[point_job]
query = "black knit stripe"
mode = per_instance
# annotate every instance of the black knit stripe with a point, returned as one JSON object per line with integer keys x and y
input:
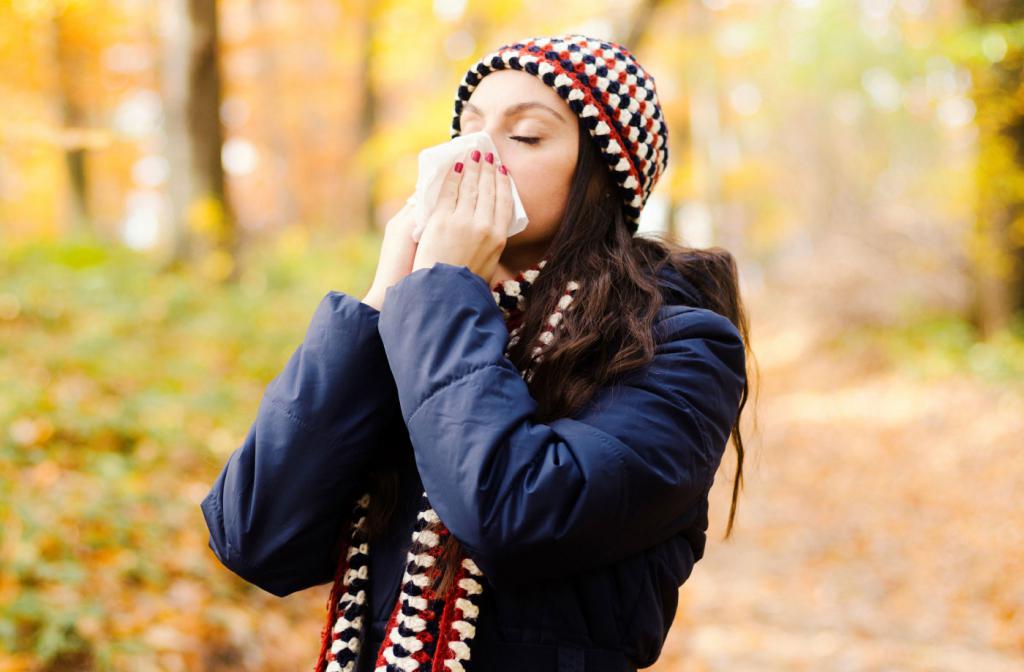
{"x": 347, "y": 632}
{"x": 417, "y": 614}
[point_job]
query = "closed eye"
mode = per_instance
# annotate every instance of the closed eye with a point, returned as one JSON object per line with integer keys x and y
{"x": 528, "y": 141}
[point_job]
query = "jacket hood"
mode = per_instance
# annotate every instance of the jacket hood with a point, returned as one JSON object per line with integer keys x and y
{"x": 676, "y": 289}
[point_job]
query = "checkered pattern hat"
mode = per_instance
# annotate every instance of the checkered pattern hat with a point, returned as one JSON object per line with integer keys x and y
{"x": 603, "y": 84}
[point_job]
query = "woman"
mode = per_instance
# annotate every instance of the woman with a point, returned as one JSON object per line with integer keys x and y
{"x": 502, "y": 454}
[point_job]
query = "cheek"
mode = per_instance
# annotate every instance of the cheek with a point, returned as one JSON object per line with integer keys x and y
{"x": 543, "y": 183}
{"x": 541, "y": 176}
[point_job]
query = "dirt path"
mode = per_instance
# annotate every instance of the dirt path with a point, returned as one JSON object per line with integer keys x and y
{"x": 881, "y": 526}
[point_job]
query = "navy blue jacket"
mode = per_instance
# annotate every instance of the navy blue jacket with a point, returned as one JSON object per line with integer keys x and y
{"x": 584, "y": 527}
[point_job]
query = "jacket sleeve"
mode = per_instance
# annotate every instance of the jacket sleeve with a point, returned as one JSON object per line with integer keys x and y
{"x": 533, "y": 501}
{"x": 275, "y": 511}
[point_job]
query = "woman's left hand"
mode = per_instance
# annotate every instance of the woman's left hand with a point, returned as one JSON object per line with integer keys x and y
{"x": 469, "y": 225}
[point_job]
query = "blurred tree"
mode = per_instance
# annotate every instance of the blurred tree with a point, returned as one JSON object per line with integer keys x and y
{"x": 205, "y": 229}
{"x": 270, "y": 89}
{"x": 637, "y": 28}
{"x": 632, "y": 34}
{"x": 72, "y": 88}
{"x": 998, "y": 238}
{"x": 368, "y": 13}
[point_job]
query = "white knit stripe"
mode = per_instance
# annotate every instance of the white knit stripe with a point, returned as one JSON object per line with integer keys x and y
{"x": 415, "y": 573}
{"x": 339, "y": 644}
{"x": 343, "y": 623}
{"x": 361, "y": 573}
{"x": 428, "y": 538}
{"x": 411, "y": 644}
{"x": 413, "y": 622}
{"x": 465, "y": 628}
{"x": 347, "y": 634}
{"x": 409, "y": 664}
{"x": 359, "y": 598}
{"x": 547, "y": 336}
{"x": 468, "y": 609}
{"x": 416, "y": 602}
{"x": 460, "y": 649}
{"x": 420, "y": 580}
{"x": 472, "y": 587}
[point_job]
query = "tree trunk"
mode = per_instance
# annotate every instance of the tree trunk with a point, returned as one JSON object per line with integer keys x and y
{"x": 997, "y": 239}
{"x": 202, "y": 217}
{"x": 367, "y": 119}
{"x": 71, "y": 77}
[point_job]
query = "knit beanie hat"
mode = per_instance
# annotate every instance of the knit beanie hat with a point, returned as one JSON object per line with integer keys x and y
{"x": 608, "y": 89}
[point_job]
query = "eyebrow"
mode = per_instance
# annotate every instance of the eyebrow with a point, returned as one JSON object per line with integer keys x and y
{"x": 516, "y": 109}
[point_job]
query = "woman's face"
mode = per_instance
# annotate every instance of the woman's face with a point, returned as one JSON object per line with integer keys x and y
{"x": 537, "y": 138}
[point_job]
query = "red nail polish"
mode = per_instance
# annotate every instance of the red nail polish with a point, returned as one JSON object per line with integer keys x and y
{"x": 458, "y": 166}
{"x": 475, "y": 155}
{"x": 489, "y": 157}
{"x": 503, "y": 169}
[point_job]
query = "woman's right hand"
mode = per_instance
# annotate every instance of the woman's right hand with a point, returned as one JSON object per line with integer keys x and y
{"x": 397, "y": 252}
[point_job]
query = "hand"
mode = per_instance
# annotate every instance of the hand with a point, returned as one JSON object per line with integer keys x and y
{"x": 469, "y": 225}
{"x": 396, "y": 255}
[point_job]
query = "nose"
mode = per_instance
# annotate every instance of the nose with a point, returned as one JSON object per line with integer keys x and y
{"x": 497, "y": 137}
{"x": 493, "y": 129}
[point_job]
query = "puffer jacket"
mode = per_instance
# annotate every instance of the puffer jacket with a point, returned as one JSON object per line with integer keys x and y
{"x": 584, "y": 527}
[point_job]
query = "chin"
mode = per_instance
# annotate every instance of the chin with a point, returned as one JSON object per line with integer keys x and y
{"x": 533, "y": 233}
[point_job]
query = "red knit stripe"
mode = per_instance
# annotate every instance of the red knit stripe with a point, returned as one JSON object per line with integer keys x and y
{"x": 332, "y": 609}
{"x": 446, "y": 631}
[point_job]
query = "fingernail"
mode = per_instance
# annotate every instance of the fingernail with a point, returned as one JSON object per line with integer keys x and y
{"x": 475, "y": 155}
{"x": 503, "y": 169}
{"x": 458, "y": 166}
{"x": 489, "y": 157}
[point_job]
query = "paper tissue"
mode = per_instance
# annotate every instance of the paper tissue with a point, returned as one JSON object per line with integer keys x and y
{"x": 434, "y": 162}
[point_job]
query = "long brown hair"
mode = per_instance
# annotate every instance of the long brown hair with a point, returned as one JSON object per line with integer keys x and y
{"x": 607, "y": 329}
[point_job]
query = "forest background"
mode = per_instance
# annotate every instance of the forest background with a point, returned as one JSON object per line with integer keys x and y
{"x": 181, "y": 181}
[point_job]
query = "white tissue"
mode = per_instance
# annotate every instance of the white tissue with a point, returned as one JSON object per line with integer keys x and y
{"x": 436, "y": 161}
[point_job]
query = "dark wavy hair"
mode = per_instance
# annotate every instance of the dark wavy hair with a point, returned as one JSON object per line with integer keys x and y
{"x": 607, "y": 330}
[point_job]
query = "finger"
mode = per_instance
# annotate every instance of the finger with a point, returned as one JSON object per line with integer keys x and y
{"x": 504, "y": 205}
{"x": 484, "y": 212}
{"x": 449, "y": 193}
{"x": 469, "y": 186}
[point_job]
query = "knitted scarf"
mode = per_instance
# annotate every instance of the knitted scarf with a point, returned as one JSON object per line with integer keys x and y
{"x": 427, "y": 632}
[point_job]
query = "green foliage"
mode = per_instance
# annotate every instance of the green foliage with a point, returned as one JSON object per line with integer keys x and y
{"x": 945, "y": 345}
{"x": 125, "y": 390}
